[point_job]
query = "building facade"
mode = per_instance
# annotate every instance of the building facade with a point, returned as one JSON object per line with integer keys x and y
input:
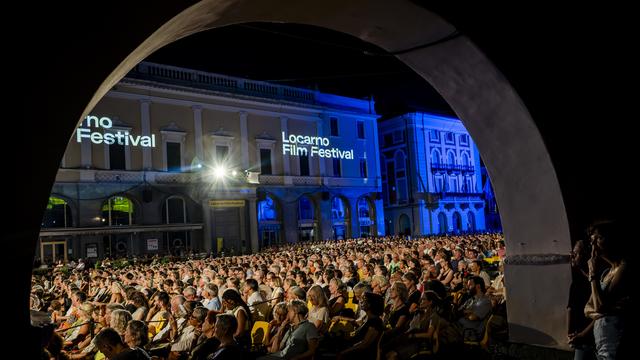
{"x": 431, "y": 175}
{"x": 174, "y": 160}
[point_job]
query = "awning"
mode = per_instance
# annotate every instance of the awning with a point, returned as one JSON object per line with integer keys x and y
{"x": 107, "y": 230}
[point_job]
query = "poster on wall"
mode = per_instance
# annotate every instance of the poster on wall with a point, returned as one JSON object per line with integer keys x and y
{"x": 152, "y": 244}
{"x": 92, "y": 250}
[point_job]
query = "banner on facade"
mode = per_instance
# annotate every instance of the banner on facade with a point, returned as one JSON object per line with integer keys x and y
{"x": 226, "y": 203}
{"x": 152, "y": 244}
{"x": 92, "y": 250}
{"x": 220, "y": 243}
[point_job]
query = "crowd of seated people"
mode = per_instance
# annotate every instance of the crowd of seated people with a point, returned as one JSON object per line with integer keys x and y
{"x": 384, "y": 298}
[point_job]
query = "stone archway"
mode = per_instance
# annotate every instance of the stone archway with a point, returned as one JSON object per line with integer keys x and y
{"x": 533, "y": 213}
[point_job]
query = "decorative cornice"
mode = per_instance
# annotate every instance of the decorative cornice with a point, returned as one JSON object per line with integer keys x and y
{"x": 537, "y": 259}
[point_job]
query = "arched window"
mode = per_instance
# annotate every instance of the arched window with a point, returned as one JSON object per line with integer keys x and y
{"x": 365, "y": 216}
{"x": 267, "y": 210}
{"x": 451, "y": 158}
{"x": 269, "y": 224}
{"x": 465, "y": 159}
{"x": 435, "y": 157}
{"x": 305, "y": 209}
{"x": 404, "y": 225}
{"x": 118, "y": 210}
{"x": 400, "y": 161}
{"x": 442, "y": 223}
{"x": 457, "y": 222}
{"x": 57, "y": 214}
{"x": 471, "y": 222}
{"x": 401, "y": 177}
{"x": 338, "y": 209}
{"x": 175, "y": 211}
{"x": 340, "y": 218}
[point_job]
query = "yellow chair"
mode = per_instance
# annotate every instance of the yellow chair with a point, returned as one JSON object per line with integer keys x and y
{"x": 435, "y": 345}
{"x": 350, "y": 297}
{"x": 351, "y": 306}
{"x": 259, "y": 334}
{"x": 484, "y": 342}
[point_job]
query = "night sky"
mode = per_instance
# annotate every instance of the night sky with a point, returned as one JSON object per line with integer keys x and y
{"x": 307, "y": 57}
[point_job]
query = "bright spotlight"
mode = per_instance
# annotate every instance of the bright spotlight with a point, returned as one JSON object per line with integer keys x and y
{"x": 219, "y": 172}
{"x": 234, "y": 173}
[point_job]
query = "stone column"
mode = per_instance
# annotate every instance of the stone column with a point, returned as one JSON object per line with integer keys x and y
{"x": 206, "y": 214}
{"x": 290, "y": 222}
{"x": 244, "y": 140}
{"x": 145, "y": 126}
{"x": 325, "y": 222}
{"x": 322, "y": 168}
{"x": 253, "y": 224}
{"x": 197, "y": 131}
{"x": 286, "y": 165}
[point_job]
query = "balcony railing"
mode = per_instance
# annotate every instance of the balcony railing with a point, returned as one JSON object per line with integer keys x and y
{"x": 217, "y": 82}
{"x": 435, "y": 196}
{"x": 452, "y": 167}
{"x": 162, "y": 177}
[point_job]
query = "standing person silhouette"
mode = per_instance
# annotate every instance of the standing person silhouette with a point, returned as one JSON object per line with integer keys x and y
{"x": 610, "y": 299}
{"x": 580, "y": 330}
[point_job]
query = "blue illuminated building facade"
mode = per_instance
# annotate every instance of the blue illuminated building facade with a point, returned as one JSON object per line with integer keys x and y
{"x": 175, "y": 160}
{"x": 431, "y": 173}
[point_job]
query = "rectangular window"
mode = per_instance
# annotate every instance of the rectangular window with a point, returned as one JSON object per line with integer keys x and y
{"x": 304, "y": 165}
{"x": 116, "y": 157}
{"x": 334, "y": 127}
{"x": 402, "y": 190}
{"x": 398, "y": 136}
{"x": 388, "y": 139}
{"x": 363, "y": 168}
{"x": 464, "y": 140}
{"x": 360, "y": 129}
{"x": 221, "y": 153}
{"x": 449, "y": 138}
{"x": 391, "y": 179}
{"x": 434, "y": 136}
{"x": 173, "y": 157}
{"x": 337, "y": 170}
{"x": 265, "y": 162}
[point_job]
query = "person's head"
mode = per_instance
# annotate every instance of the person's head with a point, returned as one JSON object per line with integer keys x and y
{"x": 86, "y": 311}
{"x": 109, "y": 342}
{"x": 251, "y": 286}
{"x": 317, "y": 296}
{"x": 409, "y": 279}
{"x": 399, "y": 291}
{"x": 226, "y": 326}
{"x": 189, "y": 293}
{"x": 475, "y": 285}
{"x": 429, "y": 299}
{"x": 138, "y": 299}
{"x": 372, "y": 303}
{"x": 606, "y": 241}
{"x": 296, "y": 311}
{"x": 296, "y": 292}
{"x": 198, "y": 315}
{"x": 209, "y": 322}
{"x": 462, "y": 266}
{"x": 359, "y": 289}
{"x": 280, "y": 311}
{"x": 119, "y": 320}
{"x": 579, "y": 254}
{"x": 475, "y": 266}
{"x": 336, "y": 286}
{"x": 136, "y": 334}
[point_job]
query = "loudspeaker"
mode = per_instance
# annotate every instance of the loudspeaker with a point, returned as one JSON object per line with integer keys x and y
{"x": 326, "y": 195}
{"x": 147, "y": 195}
